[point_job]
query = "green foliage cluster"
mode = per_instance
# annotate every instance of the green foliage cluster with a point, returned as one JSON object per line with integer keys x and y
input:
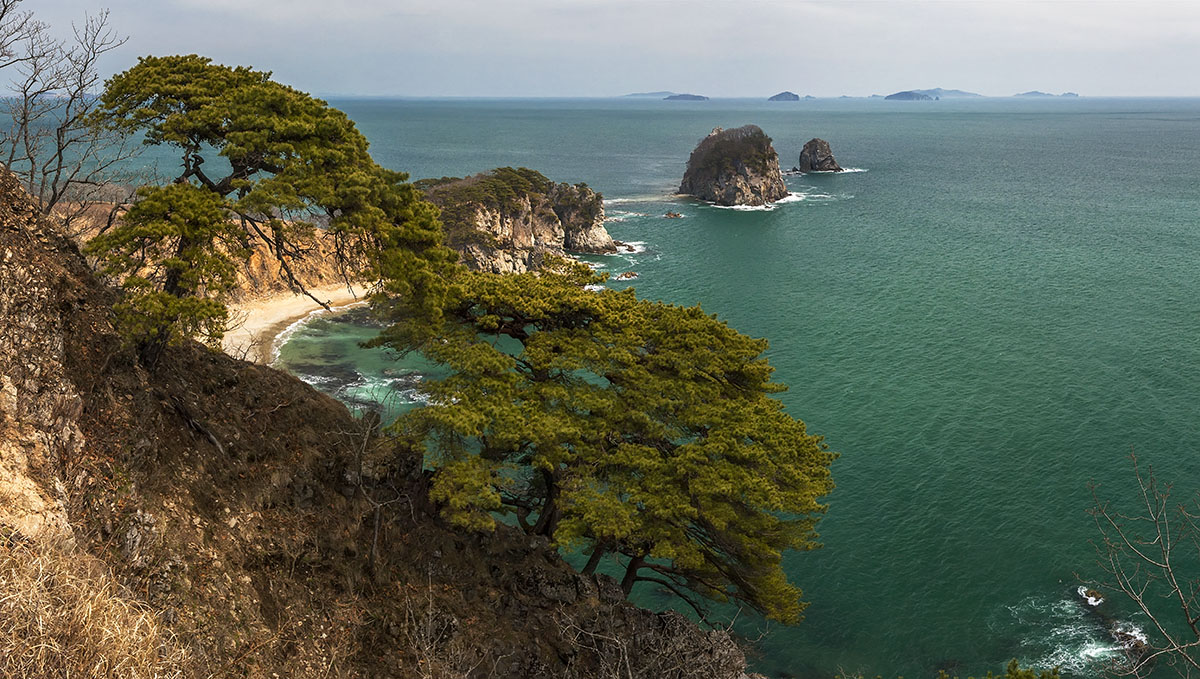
{"x": 723, "y": 152}
{"x": 279, "y": 163}
{"x": 623, "y": 427}
{"x": 175, "y": 251}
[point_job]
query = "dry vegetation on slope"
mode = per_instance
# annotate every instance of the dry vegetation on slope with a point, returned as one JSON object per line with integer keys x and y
{"x": 257, "y": 523}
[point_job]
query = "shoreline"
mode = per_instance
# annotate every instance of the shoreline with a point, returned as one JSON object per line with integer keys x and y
{"x": 259, "y": 323}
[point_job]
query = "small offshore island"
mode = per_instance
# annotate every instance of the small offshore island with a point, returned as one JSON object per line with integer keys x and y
{"x": 735, "y": 167}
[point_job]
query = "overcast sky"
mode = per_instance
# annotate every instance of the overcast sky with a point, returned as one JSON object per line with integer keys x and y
{"x": 722, "y": 48}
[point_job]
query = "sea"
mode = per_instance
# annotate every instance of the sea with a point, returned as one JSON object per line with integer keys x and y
{"x": 985, "y": 315}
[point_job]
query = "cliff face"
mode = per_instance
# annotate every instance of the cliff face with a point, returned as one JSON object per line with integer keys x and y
{"x": 735, "y": 167}
{"x": 265, "y": 529}
{"x": 507, "y": 220}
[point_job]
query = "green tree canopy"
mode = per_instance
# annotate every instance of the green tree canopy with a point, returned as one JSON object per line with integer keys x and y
{"x": 627, "y": 428}
{"x": 283, "y": 164}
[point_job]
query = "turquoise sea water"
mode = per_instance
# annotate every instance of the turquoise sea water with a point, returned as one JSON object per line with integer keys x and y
{"x": 982, "y": 321}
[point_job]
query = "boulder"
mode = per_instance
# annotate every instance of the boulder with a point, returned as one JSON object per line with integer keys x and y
{"x": 817, "y": 157}
{"x": 734, "y": 167}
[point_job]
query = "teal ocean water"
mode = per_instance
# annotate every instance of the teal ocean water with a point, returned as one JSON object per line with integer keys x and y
{"x": 983, "y": 320}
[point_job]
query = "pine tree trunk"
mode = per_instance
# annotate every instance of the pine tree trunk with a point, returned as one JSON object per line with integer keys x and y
{"x": 631, "y": 571}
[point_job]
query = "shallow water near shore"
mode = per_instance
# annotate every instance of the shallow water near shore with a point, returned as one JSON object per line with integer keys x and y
{"x": 982, "y": 321}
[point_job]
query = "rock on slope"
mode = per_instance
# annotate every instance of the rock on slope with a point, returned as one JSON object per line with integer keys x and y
{"x": 264, "y": 527}
{"x": 734, "y": 167}
{"x": 816, "y": 156}
{"x": 507, "y": 220}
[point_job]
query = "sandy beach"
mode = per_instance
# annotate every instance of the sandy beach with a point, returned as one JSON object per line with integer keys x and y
{"x": 258, "y": 323}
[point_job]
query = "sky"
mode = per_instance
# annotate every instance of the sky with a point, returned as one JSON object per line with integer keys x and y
{"x": 719, "y": 48}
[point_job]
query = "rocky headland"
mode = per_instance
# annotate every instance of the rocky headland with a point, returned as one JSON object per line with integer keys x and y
{"x": 734, "y": 167}
{"x": 211, "y": 517}
{"x": 816, "y": 156}
{"x": 508, "y": 220}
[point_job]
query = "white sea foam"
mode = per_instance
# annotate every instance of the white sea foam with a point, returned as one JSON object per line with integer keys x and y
{"x": 1092, "y": 601}
{"x": 634, "y": 199}
{"x": 792, "y": 197}
{"x": 593, "y": 288}
{"x": 639, "y": 246}
{"x": 845, "y": 170}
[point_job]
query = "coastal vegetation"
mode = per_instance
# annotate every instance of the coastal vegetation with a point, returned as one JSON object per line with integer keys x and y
{"x": 625, "y": 428}
{"x": 276, "y": 162}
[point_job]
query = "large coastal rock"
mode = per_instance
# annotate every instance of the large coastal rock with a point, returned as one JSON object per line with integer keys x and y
{"x": 735, "y": 167}
{"x": 785, "y": 96}
{"x": 508, "y": 220}
{"x": 817, "y": 157}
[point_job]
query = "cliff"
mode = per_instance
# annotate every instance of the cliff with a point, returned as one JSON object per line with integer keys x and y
{"x": 734, "y": 167}
{"x": 217, "y": 518}
{"x": 507, "y": 220}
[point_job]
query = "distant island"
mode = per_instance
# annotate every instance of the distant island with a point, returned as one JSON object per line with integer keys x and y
{"x": 908, "y": 95}
{"x": 939, "y": 93}
{"x": 685, "y": 97}
{"x": 930, "y": 95}
{"x": 785, "y": 96}
{"x": 648, "y": 95}
{"x": 1038, "y": 93}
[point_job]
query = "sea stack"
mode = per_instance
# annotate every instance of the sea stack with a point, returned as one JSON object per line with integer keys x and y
{"x": 735, "y": 167}
{"x": 817, "y": 157}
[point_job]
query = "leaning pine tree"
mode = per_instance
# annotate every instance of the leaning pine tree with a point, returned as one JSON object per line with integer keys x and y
{"x": 637, "y": 431}
{"x": 280, "y": 166}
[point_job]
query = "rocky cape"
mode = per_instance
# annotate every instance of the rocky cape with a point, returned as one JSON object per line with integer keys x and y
{"x": 816, "y": 156}
{"x": 226, "y": 519}
{"x": 508, "y": 220}
{"x": 735, "y": 167}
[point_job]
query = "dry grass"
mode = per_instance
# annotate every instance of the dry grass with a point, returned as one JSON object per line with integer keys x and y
{"x": 62, "y": 616}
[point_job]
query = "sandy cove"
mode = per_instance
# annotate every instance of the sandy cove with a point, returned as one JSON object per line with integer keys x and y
{"x": 258, "y": 323}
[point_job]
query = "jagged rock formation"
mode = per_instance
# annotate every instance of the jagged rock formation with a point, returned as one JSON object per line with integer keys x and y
{"x": 785, "y": 96}
{"x": 735, "y": 167}
{"x": 268, "y": 531}
{"x": 508, "y": 220}
{"x": 816, "y": 156}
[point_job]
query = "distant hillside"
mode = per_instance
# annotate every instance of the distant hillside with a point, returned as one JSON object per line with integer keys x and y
{"x": 686, "y": 97}
{"x": 649, "y": 95}
{"x": 1034, "y": 93}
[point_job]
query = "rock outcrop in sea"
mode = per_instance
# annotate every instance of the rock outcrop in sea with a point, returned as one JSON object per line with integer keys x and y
{"x": 734, "y": 167}
{"x": 785, "y": 96}
{"x": 685, "y": 97}
{"x": 508, "y": 220}
{"x": 816, "y": 156}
